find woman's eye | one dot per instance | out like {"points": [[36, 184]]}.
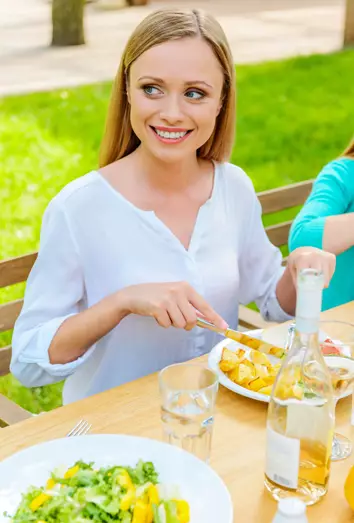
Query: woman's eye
{"points": [[195, 95], [150, 89]]}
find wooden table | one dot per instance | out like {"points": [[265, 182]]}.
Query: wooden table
{"points": [[238, 446]]}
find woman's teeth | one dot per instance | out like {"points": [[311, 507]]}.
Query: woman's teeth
{"points": [[171, 136]]}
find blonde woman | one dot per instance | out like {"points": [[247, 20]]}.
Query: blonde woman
{"points": [[327, 221], [163, 231]]}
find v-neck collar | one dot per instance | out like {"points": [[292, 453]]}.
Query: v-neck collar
{"points": [[151, 216]]}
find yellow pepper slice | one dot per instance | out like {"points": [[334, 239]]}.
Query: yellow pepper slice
{"points": [[128, 499], [140, 513], [183, 511], [38, 501], [50, 484], [70, 473], [124, 480], [153, 495]]}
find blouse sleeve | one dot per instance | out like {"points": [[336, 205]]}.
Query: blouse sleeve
{"points": [[260, 268], [55, 291], [330, 196]]}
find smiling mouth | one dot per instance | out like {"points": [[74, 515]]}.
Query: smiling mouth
{"points": [[171, 135]]}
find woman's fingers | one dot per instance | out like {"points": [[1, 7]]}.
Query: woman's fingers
{"points": [[311, 258], [206, 310], [163, 319], [176, 315]]}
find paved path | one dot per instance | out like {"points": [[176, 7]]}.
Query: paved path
{"points": [[258, 30]]}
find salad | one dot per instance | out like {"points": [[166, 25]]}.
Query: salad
{"points": [[85, 494]]}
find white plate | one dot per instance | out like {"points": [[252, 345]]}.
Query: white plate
{"points": [[208, 496], [215, 357]]}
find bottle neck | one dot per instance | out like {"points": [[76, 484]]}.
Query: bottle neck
{"points": [[308, 301]]}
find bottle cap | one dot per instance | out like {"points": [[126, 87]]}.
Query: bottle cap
{"points": [[291, 507], [309, 300]]}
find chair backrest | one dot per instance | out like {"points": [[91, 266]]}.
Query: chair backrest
{"points": [[16, 270], [281, 199]]}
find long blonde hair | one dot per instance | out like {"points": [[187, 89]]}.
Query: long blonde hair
{"points": [[349, 150], [119, 139]]}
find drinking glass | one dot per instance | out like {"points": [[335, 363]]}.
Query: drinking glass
{"points": [[188, 394], [337, 344], [339, 356]]}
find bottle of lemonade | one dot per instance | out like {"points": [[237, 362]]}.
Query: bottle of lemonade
{"points": [[300, 420]]}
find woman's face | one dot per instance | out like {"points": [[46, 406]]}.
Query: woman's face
{"points": [[175, 94]]}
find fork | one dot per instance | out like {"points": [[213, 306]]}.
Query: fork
{"points": [[81, 428]]}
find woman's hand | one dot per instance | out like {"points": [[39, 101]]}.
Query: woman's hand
{"points": [[174, 304], [310, 257]]}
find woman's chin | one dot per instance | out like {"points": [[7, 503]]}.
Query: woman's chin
{"points": [[171, 155]]}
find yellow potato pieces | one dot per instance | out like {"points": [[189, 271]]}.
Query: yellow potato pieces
{"points": [[252, 370], [230, 359], [260, 358], [266, 390], [242, 374], [257, 384]]}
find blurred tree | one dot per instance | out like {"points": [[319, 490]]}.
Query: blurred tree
{"points": [[137, 2], [349, 23], [68, 22]]}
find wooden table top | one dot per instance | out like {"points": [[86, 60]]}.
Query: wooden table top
{"points": [[238, 451]]}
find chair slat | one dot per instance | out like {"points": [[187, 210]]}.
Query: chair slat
{"points": [[11, 413], [278, 234], [9, 313], [16, 270], [5, 360], [285, 197]]}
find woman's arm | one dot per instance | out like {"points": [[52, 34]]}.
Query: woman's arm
{"points": [[80, 332], [323, 222], [170, 304], [338, 234]]}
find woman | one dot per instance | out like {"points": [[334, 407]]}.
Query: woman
{"points": [[164, 229], [327, 221]]}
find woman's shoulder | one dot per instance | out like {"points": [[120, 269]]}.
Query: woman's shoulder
{"points": [[339, 170], [86, 183], [81, 190], [234, 176]]}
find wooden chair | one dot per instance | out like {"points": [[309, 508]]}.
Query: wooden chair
{"points": [[274, 201], [16, 270]]}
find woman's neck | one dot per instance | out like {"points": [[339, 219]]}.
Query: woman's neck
{"points": [[169, 176]]}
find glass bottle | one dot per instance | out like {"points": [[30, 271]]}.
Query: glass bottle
{"points": [[300, 421]]}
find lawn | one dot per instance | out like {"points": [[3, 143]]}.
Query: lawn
{"points": [[292, 117]]}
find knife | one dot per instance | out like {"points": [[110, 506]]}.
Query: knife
{"points": [[244, 339]]}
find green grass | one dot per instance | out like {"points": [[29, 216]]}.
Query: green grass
{"points": [[292, 117]]}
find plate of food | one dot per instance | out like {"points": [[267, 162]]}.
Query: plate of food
{"points": [[104, 478], [250, 368]]}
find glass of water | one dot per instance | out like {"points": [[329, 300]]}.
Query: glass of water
{"points": [[188, 394]]}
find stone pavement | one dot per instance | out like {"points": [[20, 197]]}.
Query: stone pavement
{"points": [[258, 30]]}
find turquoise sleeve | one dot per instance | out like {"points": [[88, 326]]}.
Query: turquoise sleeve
{"points": [[331, 195]]}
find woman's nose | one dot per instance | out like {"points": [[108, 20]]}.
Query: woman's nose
{"points": [[171, 111]]}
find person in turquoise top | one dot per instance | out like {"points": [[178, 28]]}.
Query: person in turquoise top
{"points": [[327, 222]]}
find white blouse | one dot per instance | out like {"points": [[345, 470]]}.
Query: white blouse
{"points": [[94, 242]]}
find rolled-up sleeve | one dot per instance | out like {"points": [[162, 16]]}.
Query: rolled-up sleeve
{"points": [[260, 268], [54, 292]]}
